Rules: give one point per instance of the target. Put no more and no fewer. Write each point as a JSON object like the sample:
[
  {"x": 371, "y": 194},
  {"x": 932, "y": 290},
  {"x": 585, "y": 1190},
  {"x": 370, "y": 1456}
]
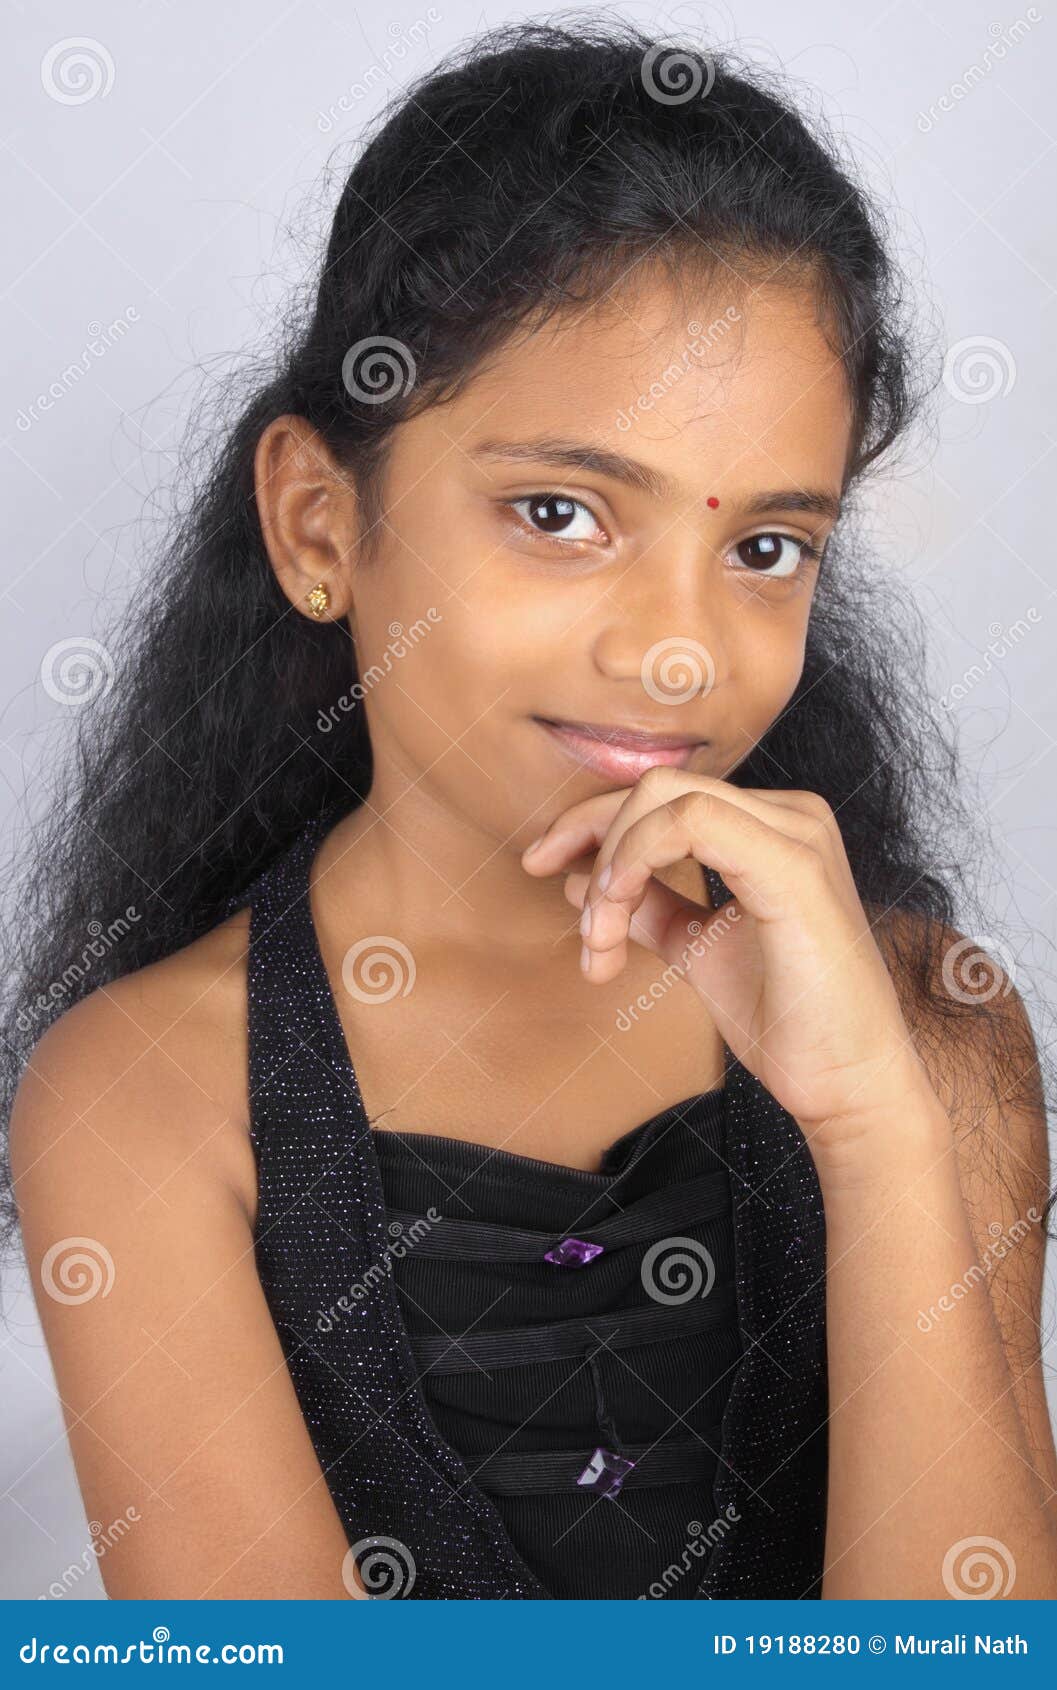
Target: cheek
[
  {"x": 768, "y": 661},
  {"x": 448, "y": 686}
]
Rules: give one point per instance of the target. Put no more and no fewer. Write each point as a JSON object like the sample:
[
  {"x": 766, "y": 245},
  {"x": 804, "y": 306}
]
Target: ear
[{"x": 308, "y": 514}]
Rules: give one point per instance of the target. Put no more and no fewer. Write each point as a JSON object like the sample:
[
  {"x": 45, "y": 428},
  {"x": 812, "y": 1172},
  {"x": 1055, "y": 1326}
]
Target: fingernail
[
  {"x": 605, "y": 877},
  {"x": 536, "y": 843},
  {"x": 585, "y": 920},
  {"x": 585, "y": 959}
]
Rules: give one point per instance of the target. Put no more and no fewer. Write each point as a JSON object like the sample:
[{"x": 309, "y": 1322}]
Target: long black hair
[{"x": 526, "y": 176}]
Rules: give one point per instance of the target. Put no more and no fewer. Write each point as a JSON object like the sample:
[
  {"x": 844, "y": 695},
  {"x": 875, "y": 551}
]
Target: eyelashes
[
  {"x": 561, "y": 507},
  {"x": 562, "y": 503},
  {"x": 805, "y": 548}
]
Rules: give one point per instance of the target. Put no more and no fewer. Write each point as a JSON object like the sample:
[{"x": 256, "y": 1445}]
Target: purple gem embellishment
[
  {"x": 573, "y": 1252},
  {"x": 605, "y": 1472}
]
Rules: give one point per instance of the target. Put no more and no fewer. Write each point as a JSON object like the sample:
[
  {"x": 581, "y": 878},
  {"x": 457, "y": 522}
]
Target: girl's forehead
[
  {"x": 719, "y": 344},
  {"x": 758, "y": 386}
]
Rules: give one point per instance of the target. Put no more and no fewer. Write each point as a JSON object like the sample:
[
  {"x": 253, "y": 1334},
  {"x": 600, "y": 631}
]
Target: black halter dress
[{"x": 524, "y": 1380}]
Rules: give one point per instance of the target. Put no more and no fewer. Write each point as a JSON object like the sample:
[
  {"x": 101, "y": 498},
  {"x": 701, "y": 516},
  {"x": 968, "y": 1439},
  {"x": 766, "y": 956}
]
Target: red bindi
[{"x": 712, "y": 503}]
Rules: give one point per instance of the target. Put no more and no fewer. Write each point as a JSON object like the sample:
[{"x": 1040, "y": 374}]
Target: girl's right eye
[{"x": 552, "y": 517}]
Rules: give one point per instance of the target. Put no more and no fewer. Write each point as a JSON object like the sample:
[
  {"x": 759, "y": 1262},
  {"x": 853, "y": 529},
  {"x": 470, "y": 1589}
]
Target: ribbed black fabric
[{"x": 528, "y": 1366}]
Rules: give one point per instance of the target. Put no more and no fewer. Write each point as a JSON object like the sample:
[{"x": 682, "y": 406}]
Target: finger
[
  {"x": 574, "y": 833},
  {"x": 800, "y": 814},
  {"x": 659, "y": 924},
  {"x": 662, "y": 787},
  {"x": 788, "y": 797},
  {"x": 596, "y": 967},
  {"x": 598, "y": 822},
  {"x": 765, "y": 868},
  {"x": 584, "y": 826},
  {"x": 653, "y": 916}
]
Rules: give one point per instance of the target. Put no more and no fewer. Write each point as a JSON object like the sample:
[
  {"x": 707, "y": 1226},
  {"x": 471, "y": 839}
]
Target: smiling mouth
[
  {"x": 620, "y": 754},
  {"x": 631, "y": 739}
]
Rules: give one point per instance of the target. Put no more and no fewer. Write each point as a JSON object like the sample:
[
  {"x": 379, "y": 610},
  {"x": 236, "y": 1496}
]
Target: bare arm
[
  {"x": 181, "y": 1414},
  {"x": 943, "y": 1478}
]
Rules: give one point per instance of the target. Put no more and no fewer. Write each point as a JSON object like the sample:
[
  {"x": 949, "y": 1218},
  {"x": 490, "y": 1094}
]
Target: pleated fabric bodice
[{"x": 577, "y": 1336}]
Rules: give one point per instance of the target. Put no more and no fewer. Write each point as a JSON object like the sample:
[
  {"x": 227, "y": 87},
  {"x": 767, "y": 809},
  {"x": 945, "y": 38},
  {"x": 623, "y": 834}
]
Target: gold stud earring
[{"x": 318, "y": 600}]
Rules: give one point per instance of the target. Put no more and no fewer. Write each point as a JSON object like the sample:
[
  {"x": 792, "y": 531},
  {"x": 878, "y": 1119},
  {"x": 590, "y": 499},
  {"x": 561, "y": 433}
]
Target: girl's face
[{"x": 613, "y": 525}]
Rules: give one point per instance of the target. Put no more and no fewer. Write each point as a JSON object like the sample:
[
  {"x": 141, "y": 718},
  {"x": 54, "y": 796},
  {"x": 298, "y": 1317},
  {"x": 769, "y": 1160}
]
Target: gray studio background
[{"x": 169, "y": 173}]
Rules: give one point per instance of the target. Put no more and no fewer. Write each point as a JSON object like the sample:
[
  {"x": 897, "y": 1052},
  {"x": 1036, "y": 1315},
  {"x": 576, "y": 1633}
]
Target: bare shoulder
[
  {"x": 132, "y": 1168},
  {"x": 154, "y": 1067}
]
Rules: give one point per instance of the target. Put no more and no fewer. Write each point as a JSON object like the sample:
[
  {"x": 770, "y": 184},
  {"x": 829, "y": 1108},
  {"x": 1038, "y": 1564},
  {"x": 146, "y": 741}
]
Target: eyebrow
[{"x": 571, "y": 454}]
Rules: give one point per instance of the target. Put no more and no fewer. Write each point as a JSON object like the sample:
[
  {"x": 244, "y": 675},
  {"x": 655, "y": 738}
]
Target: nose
[{"x": 666, "y": 629}]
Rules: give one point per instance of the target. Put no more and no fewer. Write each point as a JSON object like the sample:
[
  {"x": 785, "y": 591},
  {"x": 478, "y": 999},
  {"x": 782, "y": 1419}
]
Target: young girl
[{"x": 530, "y": 1127}]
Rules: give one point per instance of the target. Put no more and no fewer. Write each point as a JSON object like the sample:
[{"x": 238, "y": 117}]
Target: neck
[{"x": 429, "y": 872}]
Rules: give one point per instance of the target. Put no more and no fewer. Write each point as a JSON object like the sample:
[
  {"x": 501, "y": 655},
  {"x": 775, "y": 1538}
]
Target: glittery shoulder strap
[{"x": 298, "y": 1059}]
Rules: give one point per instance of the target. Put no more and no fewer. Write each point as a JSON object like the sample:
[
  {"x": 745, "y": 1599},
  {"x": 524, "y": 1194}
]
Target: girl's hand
[{"x": 789, "y": 970}]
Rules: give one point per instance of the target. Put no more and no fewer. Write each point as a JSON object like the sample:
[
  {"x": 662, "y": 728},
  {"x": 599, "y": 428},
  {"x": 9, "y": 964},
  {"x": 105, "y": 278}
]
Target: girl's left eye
[
  {"x": 763, "y": 554},
  {"x": 552, "y": 517}
]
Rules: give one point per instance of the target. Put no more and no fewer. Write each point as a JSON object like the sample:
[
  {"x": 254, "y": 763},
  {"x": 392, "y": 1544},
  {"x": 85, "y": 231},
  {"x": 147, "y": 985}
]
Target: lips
[{"x": 619, "y": 754}]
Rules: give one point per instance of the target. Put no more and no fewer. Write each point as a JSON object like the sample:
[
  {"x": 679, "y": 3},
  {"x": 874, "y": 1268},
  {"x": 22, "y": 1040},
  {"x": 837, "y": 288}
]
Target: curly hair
[{"x": 523, "y": 177}]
